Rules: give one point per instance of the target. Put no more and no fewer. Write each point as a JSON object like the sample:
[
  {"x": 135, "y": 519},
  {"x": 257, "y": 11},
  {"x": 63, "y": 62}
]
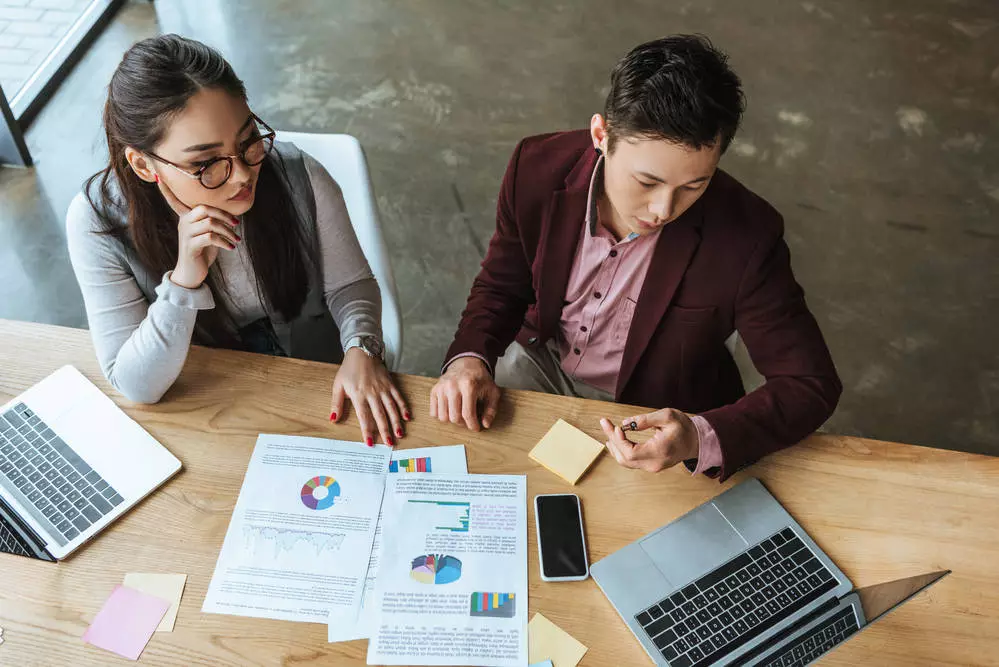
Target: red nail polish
[
  {"x": 369, "y": 442},
  {"x": 332, "y": 416},
  {"x": 389, "y": 441},
  {"x": 398, "y": 432},
  {"x": 157, "y": 177},
  {"x": 406, "y": 416}
]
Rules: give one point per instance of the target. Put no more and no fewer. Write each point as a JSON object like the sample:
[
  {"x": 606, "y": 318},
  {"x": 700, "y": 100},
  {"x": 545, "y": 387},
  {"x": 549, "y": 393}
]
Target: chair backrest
[
  {"x": 751, "y": 378},
  {"x": 343, "y": 158}
]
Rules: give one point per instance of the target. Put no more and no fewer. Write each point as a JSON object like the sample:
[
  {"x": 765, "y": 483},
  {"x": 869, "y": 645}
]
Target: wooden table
[{"x": 881, "y": 510}]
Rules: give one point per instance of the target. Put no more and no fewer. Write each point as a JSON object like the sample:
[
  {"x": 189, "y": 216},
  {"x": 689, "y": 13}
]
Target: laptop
[
  {"x": 71, "y": 463},
  {"x": 737, "y": 581}
]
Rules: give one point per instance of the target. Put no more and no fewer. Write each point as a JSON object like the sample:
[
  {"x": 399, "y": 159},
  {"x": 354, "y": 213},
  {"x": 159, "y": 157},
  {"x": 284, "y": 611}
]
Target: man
[{"x": 624, "y": 258}]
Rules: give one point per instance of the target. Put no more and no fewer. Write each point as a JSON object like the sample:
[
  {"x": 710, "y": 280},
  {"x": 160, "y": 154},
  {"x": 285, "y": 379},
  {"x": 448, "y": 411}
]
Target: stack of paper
[
  {"x": 357, "y": 624},
  {"x": 308, "y": 507},
  {"x": 566, "y": 451},
  {"x": 452, "y": 586},
  {"x": 126, "y": 622},
  {"x": 552, "y": 643}
]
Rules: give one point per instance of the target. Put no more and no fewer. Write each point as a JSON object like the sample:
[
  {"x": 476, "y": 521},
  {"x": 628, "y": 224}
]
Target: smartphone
[{"x": 561, "y": 542}]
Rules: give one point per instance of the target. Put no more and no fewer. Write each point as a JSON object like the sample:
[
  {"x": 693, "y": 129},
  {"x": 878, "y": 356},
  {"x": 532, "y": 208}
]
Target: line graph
[{"x": 259, "y": 539}]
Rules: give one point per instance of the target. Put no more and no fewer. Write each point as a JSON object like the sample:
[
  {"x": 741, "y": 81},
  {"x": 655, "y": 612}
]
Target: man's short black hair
[{"x": 677, "y": 88}]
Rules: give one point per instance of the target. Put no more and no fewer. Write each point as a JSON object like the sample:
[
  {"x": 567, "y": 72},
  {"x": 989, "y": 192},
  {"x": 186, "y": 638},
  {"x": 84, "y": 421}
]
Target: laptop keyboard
[
  {"x": 59, "y": 489},
  {"x": 728, "y": 607},
  {"x": 823, "y": 637}
]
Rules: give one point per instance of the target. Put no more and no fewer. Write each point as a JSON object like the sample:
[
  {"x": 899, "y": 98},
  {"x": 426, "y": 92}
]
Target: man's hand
[
  {"x": 456, "y": 395},
  {"x": 674, "y": 440}
]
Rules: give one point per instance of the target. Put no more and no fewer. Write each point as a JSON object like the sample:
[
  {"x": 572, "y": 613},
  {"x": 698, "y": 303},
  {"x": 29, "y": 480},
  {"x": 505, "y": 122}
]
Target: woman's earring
[{"x": 597, "y": 149}]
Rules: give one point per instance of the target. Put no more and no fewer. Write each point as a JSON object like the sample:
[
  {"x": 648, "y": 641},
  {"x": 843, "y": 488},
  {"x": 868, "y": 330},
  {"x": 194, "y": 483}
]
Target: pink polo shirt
[{"x": 604, "y": 283}]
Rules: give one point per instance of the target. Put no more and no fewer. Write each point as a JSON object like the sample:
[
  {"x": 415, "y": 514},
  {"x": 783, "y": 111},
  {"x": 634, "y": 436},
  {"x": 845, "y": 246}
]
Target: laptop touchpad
[{"x": 693, "y": 545}]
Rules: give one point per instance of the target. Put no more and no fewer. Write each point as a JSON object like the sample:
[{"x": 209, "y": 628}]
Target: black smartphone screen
[{"x": 561, "y": 535}]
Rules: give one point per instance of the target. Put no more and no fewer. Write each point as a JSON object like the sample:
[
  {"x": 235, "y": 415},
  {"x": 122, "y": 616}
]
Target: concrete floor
[{"x": 872, "y": 126}]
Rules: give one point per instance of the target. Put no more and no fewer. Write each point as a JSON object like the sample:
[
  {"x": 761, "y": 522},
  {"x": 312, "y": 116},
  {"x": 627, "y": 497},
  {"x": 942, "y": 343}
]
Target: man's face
[{"x": 651, "y": 182}]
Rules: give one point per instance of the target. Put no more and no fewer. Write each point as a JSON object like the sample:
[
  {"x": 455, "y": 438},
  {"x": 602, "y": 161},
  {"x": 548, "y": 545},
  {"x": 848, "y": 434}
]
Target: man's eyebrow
[{"x": 659, "y": 180}]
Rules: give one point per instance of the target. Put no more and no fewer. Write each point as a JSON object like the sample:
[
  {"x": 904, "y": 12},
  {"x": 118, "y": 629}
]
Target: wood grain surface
[{"x": 881, "y": 510}]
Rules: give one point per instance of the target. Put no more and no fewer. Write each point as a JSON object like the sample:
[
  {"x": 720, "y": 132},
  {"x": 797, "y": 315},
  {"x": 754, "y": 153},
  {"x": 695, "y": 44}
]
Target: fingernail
[
  {"x": 406, "y": 416},
  {"x": 398, "y": 432},
  {"x": 332, "y": 416},
  {"x": 157, "y": 177},
  {"x": 238, "y": 237},
  {"x": 389, "y": 441},
  {"x": 369, "y": 442}
]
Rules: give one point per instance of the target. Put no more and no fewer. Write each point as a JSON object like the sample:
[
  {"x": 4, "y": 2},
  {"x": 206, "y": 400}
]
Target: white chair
[
  {"x": 343, "y": 158},
  {"x": 751, "y": 378}
]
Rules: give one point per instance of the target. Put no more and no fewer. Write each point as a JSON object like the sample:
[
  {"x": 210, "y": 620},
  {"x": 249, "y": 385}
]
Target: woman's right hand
[{"x": 201, "y": 231}]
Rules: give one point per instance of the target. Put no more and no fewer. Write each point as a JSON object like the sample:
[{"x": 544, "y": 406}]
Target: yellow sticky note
[
  {"x": 547, "y": 641},
  {"x": 169, "y": 587},
  {"x": 566, "y": 451}
]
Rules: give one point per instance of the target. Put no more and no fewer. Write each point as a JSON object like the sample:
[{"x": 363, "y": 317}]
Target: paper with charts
[
  {"x": 300, "y": 536},
  {"x": 344, "y": 626},
  {"x": 452, "y": 585}
]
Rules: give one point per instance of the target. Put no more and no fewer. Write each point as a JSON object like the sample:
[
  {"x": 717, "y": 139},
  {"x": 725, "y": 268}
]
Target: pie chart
[
  {"x": 436, "y": 569},
  {"x": 319, "y": 493}
]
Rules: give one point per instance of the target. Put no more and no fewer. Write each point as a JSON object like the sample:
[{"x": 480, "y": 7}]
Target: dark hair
[
  {"x": 677, "y": 88},
  {"x": 153, "y": 82}
]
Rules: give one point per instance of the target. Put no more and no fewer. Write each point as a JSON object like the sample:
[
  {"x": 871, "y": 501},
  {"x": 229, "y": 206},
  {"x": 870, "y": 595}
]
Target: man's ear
[
  {"x": 140, "y": 164},
  {"x": 599, "y": 133}
]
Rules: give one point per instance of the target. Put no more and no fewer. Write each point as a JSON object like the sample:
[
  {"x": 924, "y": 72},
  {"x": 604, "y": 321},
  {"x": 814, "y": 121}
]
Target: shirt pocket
[{"x": 622, "y": 321}]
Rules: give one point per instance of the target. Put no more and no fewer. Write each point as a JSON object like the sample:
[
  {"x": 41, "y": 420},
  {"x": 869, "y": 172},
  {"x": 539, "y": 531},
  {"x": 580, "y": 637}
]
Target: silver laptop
[
  {"x": 737, "y": 581},
  {"x": 71, "y": 463}
]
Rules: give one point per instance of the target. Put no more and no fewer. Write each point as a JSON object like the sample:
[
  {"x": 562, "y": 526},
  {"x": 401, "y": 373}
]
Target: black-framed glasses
[{"x": 214, "y": 173}]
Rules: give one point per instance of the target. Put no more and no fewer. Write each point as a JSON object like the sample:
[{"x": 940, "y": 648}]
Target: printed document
[
  {"x": 452, "y": 584},
  {"x": 451, "y": 459},
  {"x": 300, "y": 536}
]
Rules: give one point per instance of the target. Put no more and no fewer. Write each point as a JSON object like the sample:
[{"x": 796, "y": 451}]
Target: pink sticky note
[{"x": 126, "y": 622}]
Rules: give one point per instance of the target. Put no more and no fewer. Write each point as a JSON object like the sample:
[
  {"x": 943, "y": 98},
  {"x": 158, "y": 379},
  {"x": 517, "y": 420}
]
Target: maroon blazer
[{"x": 721, "y": 266}]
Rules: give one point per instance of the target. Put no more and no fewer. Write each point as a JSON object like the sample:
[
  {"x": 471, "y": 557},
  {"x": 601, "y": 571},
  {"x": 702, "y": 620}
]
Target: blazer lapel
[
  {"x": 675, "y": 248},
  {"x": 560, "y": 233}
]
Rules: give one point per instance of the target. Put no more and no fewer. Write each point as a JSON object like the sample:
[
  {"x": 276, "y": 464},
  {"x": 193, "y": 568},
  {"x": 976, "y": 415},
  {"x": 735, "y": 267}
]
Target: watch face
[{"x": 372, "y": 346}]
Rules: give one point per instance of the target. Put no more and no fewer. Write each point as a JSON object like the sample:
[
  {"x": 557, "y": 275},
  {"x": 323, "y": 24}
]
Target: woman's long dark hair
[{"x": 153, "y": 82}]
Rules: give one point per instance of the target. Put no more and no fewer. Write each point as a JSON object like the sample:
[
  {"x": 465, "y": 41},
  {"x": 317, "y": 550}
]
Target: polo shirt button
[
  {"x": 583, "y": 329},
  {"x": 597, "y": 295},
  {"x": 613, "y": 253},
  {"x": 532, "y": 340},
  {"x": 576, "y": 351}
]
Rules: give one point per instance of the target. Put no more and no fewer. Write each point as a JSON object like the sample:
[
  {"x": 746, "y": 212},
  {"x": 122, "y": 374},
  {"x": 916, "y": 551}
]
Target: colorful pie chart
[
  {"x": 319, "y": 493},
  {"x": 435, "y": 569}
]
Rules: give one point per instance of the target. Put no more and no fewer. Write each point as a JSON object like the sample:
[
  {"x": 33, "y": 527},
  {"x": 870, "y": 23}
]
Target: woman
[{"x": 202, "y": 229}]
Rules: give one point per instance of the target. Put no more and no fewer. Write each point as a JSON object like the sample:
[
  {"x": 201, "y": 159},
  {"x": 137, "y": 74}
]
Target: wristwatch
[{"x": 371, "y": 345}]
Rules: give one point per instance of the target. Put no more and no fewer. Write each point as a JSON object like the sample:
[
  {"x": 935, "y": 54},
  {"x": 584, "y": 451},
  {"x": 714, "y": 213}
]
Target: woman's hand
[
  {"x": 201, "y": 231},
  {"x": 368, "y": 385}
]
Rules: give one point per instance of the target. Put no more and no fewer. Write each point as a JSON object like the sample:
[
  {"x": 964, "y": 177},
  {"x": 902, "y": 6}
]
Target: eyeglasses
[{"x": 215, "y": 173}]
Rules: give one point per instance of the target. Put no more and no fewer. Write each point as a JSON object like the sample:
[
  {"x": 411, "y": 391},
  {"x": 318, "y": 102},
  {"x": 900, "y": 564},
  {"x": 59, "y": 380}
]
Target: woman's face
[{"x": 213, "y": 124}]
